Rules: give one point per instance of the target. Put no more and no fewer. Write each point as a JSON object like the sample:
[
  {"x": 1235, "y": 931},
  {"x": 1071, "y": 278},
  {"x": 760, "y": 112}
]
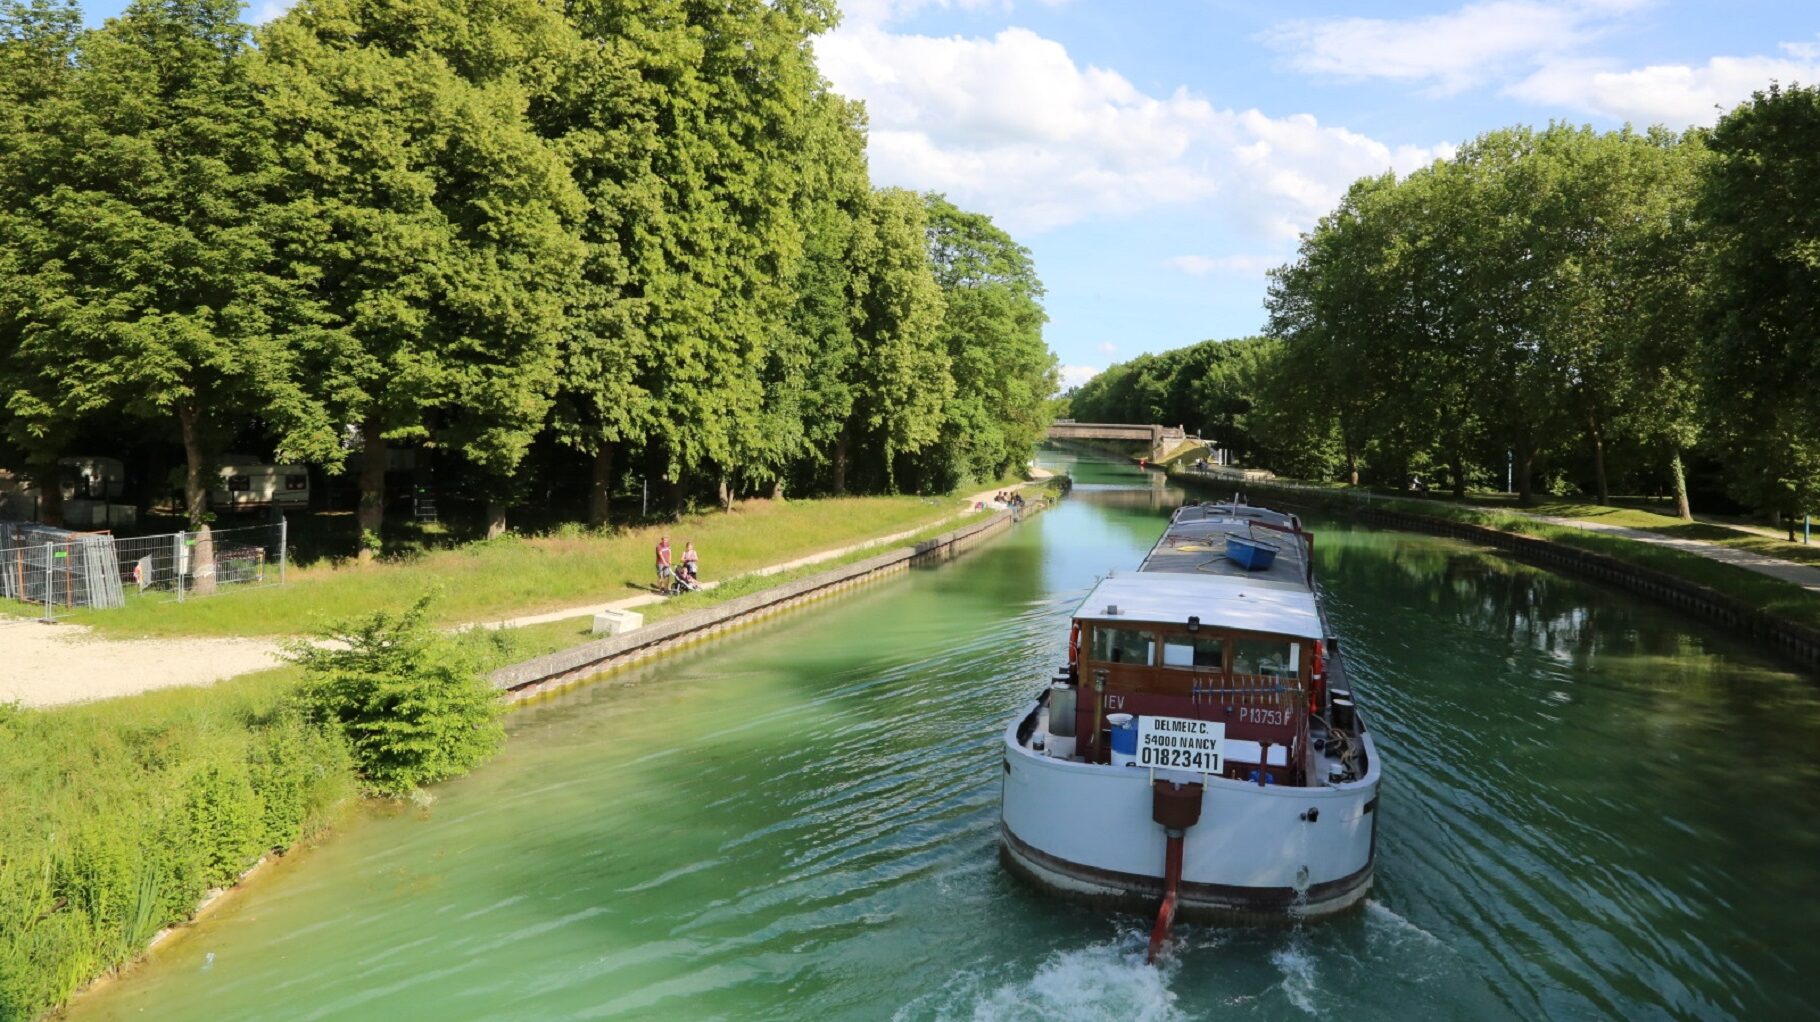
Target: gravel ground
[{"x": 44, "y": 665}]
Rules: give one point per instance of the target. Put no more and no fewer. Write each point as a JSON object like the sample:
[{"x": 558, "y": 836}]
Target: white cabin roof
[{"x": 1220, "y": 601}]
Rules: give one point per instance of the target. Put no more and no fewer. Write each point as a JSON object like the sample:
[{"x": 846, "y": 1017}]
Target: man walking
[{"x": 663, "y": 562}]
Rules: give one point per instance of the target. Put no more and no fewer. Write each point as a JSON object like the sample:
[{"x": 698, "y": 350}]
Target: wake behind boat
[{"x": 1201, "y": 749}]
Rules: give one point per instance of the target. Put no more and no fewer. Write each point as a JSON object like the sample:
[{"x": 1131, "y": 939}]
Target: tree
[
  {"x": 1659, "y": 276},
  {"x": 1332, "y": 308},
  {"x": 432, "y": 220},
  {"x": 147, "y": 283},
  {"x": 992, "y": 329},
  {"x": 833, "y": 199},
  {"x": 38, "y": 45},
  {"x": 1759, "y": 204},
  {"x": 900, "y": 376}
]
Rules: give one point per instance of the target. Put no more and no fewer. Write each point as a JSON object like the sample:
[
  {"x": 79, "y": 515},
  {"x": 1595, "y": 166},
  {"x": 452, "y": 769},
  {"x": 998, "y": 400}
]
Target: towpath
[
  {"x": 1804, "y": 575},
  {"x": 51, "y": 665}
]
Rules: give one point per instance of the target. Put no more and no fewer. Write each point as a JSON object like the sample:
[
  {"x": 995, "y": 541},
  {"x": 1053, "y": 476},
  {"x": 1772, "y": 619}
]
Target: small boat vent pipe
[{"x": 1176, "y": 807}]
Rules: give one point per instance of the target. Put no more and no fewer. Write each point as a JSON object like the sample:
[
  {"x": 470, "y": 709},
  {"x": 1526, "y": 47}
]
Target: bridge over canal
[{"x": 1163, "y": 443}]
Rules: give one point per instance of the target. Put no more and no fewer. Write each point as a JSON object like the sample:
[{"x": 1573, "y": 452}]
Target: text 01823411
[{"x": 1180, "y": 743}]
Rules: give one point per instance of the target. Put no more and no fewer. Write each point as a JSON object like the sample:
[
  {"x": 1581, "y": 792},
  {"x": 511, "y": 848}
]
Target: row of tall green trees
[
  {"x": 1569, "y": 309},
  {"x": 640, "y": 229}
]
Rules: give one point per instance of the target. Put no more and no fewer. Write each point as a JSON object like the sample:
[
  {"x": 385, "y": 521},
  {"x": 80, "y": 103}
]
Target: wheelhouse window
[
  {"x": 1124, "y": 646},
  {"x": 1194, "y": 652},
  {"x": 1267, "y": 656}
]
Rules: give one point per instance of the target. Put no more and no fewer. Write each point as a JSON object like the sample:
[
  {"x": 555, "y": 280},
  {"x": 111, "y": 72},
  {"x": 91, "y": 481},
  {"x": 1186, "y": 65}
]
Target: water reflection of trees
[{"x": 1486, "y": 593}]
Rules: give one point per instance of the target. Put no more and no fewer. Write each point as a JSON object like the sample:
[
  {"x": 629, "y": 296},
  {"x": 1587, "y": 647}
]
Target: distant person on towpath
[
  {"x": 691, "y": 565},
  {"x": 663, "y": 561}
]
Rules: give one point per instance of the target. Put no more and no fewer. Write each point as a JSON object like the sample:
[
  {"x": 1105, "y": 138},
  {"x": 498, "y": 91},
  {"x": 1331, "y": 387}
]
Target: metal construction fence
[{"x": 46, "y": 571}]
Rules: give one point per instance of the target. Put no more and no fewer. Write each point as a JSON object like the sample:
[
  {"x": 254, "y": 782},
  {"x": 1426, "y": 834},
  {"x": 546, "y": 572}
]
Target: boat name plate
[{"x": 1181, "y": 743}]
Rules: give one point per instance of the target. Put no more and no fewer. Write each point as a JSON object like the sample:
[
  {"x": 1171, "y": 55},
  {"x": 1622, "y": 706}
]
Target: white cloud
[
  {"x": 1673, "y": 94},
  {"x": 1108, "y": 347},
  {"x": 1802, "y": 51},
  {"x": 1074, "y": 376},
  {"x": 1469, "y": 46},
  {"x": 1013, "y": 126},
  {"x": 1237, "y": 265}
]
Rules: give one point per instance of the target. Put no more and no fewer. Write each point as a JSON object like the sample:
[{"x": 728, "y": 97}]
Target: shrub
[{"x": 411, "y": 700}]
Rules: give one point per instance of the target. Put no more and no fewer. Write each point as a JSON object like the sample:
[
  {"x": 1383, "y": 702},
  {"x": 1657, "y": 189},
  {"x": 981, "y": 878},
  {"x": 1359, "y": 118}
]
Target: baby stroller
[{"x": 682, "y": 580}]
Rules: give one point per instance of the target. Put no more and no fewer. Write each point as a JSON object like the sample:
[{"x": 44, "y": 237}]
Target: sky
[{"x": 1158, "y": 157}]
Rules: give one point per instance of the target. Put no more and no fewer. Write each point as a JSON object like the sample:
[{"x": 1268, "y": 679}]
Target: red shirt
[{"x": 663, "y": 551}]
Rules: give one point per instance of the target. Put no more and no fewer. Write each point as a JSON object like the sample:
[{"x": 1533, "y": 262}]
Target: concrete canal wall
[
  {"x": 1796, "y": 642},
  {"x": 568, "y": 667}
]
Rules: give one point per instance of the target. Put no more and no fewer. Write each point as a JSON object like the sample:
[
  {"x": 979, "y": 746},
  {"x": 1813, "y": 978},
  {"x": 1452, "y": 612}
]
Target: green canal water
[{"x": 1592, "y": 808}]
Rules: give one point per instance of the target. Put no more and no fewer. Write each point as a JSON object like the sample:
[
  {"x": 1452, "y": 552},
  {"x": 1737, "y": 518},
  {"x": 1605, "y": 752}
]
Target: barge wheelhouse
[{"x": 1201, "y": 748}]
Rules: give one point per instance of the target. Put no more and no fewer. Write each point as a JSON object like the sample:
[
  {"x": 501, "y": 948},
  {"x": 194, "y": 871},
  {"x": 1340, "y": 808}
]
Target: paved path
[{"x": 1806, "y": 576}]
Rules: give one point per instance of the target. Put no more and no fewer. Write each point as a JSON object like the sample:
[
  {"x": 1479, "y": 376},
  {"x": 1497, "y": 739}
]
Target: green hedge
[{"x": 117, "y": 817}]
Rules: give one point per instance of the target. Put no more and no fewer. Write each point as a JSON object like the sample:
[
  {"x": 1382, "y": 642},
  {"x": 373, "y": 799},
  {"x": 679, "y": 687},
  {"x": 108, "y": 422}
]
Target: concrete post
[
  {"x": 50, "y": 586},
  {"x": 177, "y": 562},
  {"x": 284, "y": 533}
]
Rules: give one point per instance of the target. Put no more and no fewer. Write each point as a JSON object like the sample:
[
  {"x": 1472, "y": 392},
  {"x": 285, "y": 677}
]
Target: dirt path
[
  {"x": 47, "y": 665},
  {"x": 1804, "y": 575}
]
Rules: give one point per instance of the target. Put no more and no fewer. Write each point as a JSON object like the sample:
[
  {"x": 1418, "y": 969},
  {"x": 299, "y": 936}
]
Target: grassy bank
[
  {"x": 517, "y": 575},
  {"x": 117, "y": 817},
  {"x": 548, "y": 637},
  {"x": 1761, "y": 592}
]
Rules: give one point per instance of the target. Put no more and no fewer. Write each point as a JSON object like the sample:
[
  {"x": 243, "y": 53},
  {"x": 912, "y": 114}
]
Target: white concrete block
[{"x": 617, "y": 622}]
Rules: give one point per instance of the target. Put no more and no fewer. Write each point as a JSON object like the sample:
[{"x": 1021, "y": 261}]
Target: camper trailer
[
  {"x": 243, "y": 485},
  {"x": 18, "y": 498},
  {"x": 91, "y": 478}
]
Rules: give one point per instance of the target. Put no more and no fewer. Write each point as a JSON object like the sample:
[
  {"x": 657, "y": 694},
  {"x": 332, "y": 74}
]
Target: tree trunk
[
  {"x": 371, "y": 516},
  {"x": 726, "y": 496},
  {"x": 195, "y": 488},
  {"x": 496, "y": 519},
  {"x": 1458, "y": 468},
  {"x": 1683, "y": 509},
  {"x": 840, "y": 463},
  {"x": 777, "y": 489},
  {"x": 196, "y": 503},
  {"x": 1352, "y": 466},
  {"x": 1598, "y": 459},
  {"x": 1525, "y": 462},
  {"x": 600, "y": 486}
]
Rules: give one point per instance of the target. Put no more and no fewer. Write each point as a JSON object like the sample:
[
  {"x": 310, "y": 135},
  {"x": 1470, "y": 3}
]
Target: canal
[{"x": 1592, "y": 808}]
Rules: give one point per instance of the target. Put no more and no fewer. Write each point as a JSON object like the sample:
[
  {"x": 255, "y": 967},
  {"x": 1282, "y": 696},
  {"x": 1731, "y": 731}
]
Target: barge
[{"x": 1201, "y": 753}]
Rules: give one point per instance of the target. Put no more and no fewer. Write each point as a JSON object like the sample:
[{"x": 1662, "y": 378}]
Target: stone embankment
[{"x": 564, "y": 668}]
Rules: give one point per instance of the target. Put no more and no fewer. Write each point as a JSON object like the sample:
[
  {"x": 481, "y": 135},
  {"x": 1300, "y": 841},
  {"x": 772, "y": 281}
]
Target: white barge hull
[{"x": 1086, "y": 830}]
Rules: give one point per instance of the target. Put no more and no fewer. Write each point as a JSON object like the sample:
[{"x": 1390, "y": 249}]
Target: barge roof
[{"x": 1188, "y": 575}]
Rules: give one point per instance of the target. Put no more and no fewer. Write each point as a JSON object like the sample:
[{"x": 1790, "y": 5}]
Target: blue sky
[{"x": 1158, "y": 156}]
